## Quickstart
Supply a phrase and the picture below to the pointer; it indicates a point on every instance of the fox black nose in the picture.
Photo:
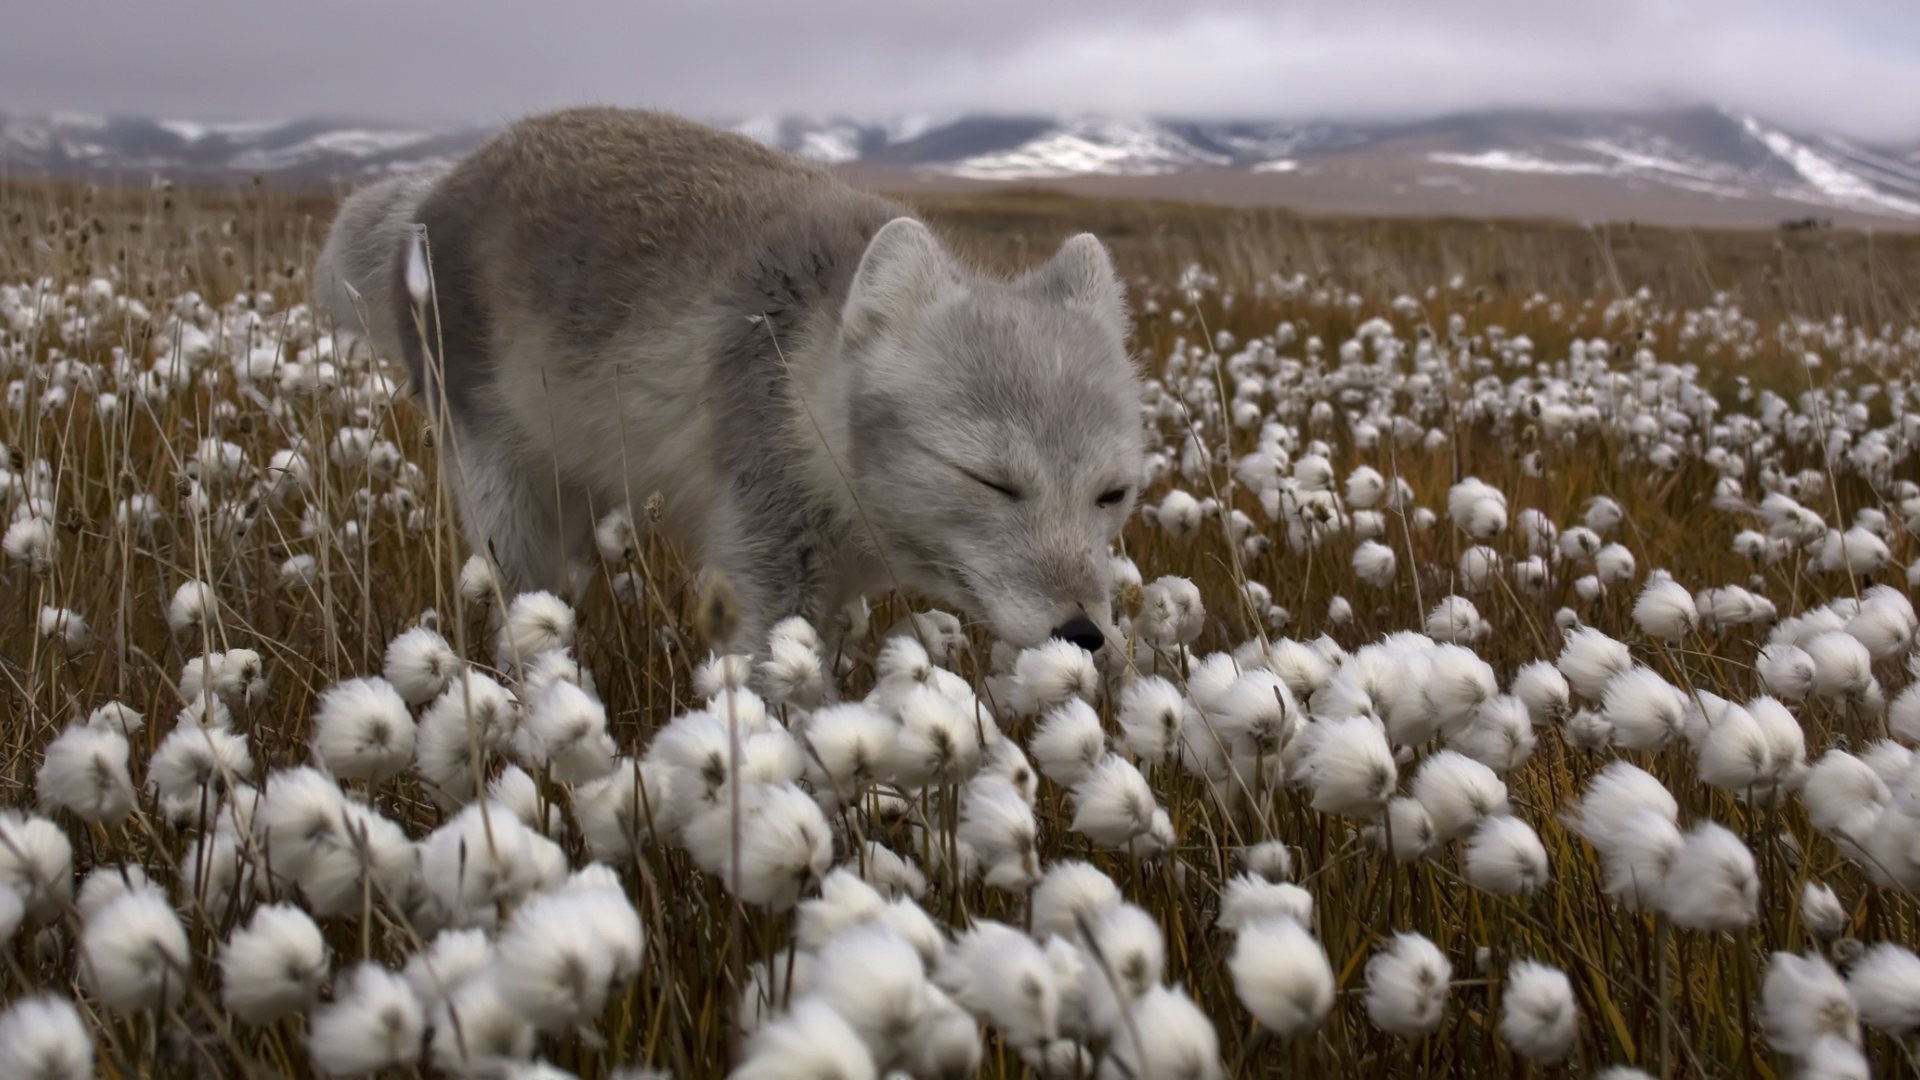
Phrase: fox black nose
(1081, 631)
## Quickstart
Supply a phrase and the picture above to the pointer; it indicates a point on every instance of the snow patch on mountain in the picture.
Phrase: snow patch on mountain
(1514, 161)
(1085, 146)
(1826, 176)
(348, 142)
(193, 131)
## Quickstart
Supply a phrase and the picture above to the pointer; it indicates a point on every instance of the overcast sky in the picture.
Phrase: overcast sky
(1846, 65)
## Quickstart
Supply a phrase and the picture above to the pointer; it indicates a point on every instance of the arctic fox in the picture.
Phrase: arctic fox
(827, 402)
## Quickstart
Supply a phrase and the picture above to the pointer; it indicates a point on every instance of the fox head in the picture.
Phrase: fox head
(994, 433)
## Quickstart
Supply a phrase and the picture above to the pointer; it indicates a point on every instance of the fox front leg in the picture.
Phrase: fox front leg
(776, 555)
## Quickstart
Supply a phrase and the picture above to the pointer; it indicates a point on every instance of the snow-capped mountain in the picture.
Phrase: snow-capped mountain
(131, 148)
(1702, 166)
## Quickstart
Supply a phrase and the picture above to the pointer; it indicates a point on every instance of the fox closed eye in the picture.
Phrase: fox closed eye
(1112, 497)
(1008, 490)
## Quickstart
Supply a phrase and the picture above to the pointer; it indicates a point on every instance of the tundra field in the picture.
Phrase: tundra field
(1519, 678)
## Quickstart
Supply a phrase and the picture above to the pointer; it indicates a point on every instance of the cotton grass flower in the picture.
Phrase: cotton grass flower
(998, 973)
(43, 1038)
(1349, 766)
(452, 958)
(997, 823)
(793, 672)
(1069, 743)
(1731, 748)
(374, 1022)
(785, 845)
(566, 731)
(552, 969)
(1374, 563)
(1340, 611)
(1406, 831)
(192, 604)
(84, 772)
(1885, 984)
(236, 677)
(1842, 667)
(844, 901)
(1883, 626)
(1646, 711)
(1182, 1042)
(36, 863)
(1458, 793)
(1665, 609)
(536, 622)
(1712, 883)
(1500, 735)
(420, 665)
(115, 716)
(1178, 514)
(1171, 613)
(1544, 691)
(1903, 714)
(1618, 791)
(477, 1029)
(1127, 941)
(1407, 986)
(66, 629)
(1590, 660)
(479, 581)
(1786, 670)
(1455, 620)
(134, 954)
(1802, 1002)
(1539, 1018)
(1267, 859)
(273, 966)
(937, 743)
(1113, 804)
(1049, 676)
(1821, 911)
(1281, 975)
(1152, 712)
(1837, 787)
(810, 1042)
(1505, 856)
(1835, 1059)
(1069, 895)
(876, 981)
(1249, 897)
(33, 543)
(1256, 716)
(1613, 565)
(480, 859)
(852, 748)
(1477, 508)
(893, 874)
(363, 731)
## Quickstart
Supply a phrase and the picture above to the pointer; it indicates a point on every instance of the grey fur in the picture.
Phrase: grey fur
(353, 278)
(630, 303)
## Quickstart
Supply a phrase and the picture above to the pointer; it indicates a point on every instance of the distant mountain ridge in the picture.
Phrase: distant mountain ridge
(1708, 163)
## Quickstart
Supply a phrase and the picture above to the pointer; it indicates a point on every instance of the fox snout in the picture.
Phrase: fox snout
(1081, 631)
(1058, 597)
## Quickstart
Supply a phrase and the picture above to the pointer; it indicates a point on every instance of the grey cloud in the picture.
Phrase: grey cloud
(1849, 65)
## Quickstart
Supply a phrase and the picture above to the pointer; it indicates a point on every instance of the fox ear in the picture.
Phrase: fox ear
(904, 269)
(1082, 273)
